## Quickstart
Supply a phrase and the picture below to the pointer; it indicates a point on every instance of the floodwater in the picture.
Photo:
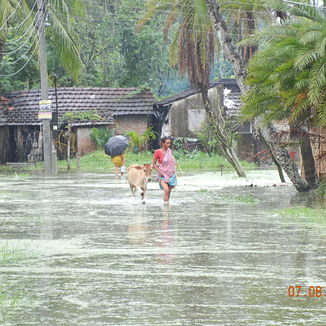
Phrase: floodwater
(78, 250)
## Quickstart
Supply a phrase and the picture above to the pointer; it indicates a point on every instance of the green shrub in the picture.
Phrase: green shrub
(100, 136)
(186, 161)
(139, 142)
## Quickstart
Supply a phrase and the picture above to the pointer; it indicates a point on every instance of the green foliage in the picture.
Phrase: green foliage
(81, 116)
(210, 143)
(116, 55)
(140, 142)
(245, 198)
(193, 41)
(302, 213)
(198, 161)
(100, 136)
(11, 256)
(19, 60)
(321, 191)
(288, 74)
(13, 60)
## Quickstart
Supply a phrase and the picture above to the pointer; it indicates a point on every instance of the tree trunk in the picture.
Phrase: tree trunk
(279, 168)
(218, 123)
(284, 159)
(227, 46)
(308, 162)
(280, 154)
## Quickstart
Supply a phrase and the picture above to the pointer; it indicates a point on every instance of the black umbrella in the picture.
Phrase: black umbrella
(116, 145)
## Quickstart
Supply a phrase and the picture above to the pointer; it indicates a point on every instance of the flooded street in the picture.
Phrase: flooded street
(78, 250)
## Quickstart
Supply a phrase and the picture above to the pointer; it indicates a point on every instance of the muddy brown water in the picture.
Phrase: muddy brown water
(78, 250)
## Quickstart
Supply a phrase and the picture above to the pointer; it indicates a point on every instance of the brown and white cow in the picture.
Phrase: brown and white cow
(138, 176)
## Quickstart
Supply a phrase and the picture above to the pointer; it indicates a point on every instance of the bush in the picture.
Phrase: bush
(139, 142)
(100, 136)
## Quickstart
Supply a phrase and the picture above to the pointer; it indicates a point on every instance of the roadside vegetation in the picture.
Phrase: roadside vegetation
(244, 198)
(196, 160)
(303, 214)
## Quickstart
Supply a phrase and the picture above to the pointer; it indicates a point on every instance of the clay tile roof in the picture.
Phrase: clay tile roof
(3, 110)
(107, 102)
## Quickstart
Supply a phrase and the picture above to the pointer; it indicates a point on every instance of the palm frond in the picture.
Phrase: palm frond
(67, 46)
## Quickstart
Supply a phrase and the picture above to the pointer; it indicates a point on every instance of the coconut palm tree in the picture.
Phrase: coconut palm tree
(267, 132)
(192, 49)
(19, 16)
(288, 78)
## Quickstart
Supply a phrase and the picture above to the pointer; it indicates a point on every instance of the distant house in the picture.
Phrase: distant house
(20, 129)
(183, 115)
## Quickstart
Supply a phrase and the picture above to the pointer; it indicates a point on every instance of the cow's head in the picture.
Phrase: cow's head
(147, 168)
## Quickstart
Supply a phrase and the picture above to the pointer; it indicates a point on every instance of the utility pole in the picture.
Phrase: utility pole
(45, 113)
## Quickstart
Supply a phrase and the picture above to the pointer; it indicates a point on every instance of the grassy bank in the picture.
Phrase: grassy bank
(186, 161)
(302, 214)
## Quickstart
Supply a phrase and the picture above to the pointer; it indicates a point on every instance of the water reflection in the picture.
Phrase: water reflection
(167, 238)
(137, 228)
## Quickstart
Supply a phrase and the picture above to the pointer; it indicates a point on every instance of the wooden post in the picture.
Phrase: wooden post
(68, 146)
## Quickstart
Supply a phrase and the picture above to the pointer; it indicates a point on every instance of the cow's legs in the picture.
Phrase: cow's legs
(133, 190)
(142, 193)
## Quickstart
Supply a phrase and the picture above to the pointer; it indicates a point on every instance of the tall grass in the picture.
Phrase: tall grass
(321, 191)
(186, 161)
(305, 214)
(10, 256)
(245, 198)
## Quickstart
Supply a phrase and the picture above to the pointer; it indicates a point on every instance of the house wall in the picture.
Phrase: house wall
(135, 122)
(20, 144)
(186, 114)
(4, 144)
(318, 140)
(245, 147)
(84, 143)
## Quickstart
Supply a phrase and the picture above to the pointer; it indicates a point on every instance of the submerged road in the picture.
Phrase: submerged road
(78, 250)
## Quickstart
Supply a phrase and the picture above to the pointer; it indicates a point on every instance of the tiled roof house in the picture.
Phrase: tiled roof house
(124, 108)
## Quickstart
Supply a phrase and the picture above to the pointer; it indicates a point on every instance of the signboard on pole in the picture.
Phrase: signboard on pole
(45, 110)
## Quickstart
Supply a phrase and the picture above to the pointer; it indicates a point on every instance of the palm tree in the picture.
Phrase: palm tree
(192, 49)
(18, 16)
(267, 132)
(288, 78)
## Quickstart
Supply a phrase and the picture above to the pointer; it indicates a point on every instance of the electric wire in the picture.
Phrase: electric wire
(18, 71)
(11, 15)
(22, 36)
(121, 23)
(27, 61)
(131, 26)
(23, 55)
(221, 6)
(17, 49)
(304, 4)
(22, 22)
(22, 45)
(266, 13)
